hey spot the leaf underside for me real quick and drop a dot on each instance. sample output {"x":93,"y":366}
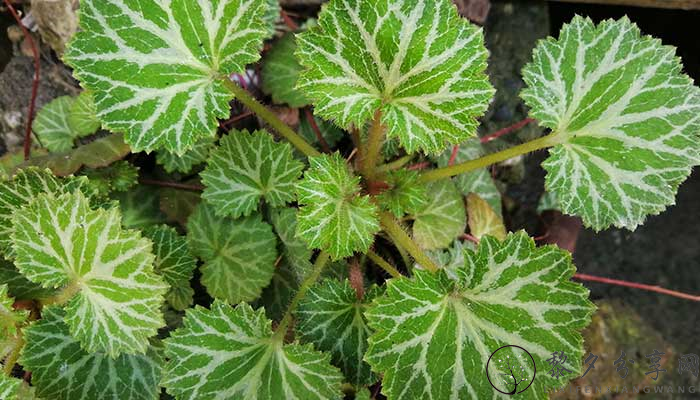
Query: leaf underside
{"x":417,"y":61}
{"x":626,"y":120}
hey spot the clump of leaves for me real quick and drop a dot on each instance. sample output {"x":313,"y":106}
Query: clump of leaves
{"x":293,"y":273}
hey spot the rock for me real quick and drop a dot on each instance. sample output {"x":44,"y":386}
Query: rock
{"x":57,"y":21}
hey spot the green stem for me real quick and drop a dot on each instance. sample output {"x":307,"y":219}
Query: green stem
{"x":370,"y":157}
{"x":383,"y":264}
{"x":527,"y":147}
{"x":310,"y":279}
{"x":396,"y":164}
{"x":12,"y":358}
{"x":268,"y":116}
{"x":399,"y":236}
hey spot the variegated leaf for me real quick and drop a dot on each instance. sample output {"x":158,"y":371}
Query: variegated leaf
{"x":106,"y":272}
{"x":626,"y":121}
{"x":15,"y":389}
{"x":82,"y":117}
{"x":173,"y":162}
{"x":280,"y":71}
{"x":334,"y":215}
{"x":20,"y":287}
{"x":247,"y":167}
{"x":10,"y":318}
{"x":332,"y":318}
{"x":174,"y":263}
{"x":239,"y":255}
{"x":62,"y":370}
{"x":435,"y":334}
{"x":295,"y":251}
{"x":231,"y":353}
{"x":155,"y":67}
{"x":417,"y":61}
{"x":51,"y":125}
{"x":406,"y":194}
{"x":442,"y":219}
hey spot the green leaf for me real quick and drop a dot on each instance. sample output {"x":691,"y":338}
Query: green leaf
{"x":231,"y":353}
{"x":118,"y":177}
{"x":417,"y":61}
{"x":443,"y":219}
{"x":478,"y":181}
{"x":10,"y":318}
{"x":295,"y":251}
{"x":280,"y":71}
{"x":51,"y":125}
{"x":332,"y":318}
{"x":174,"y":263}
{"x":435,"y":334}
{"x":20,"y":287}
{"x":140,"y":207}
{"x":15,"y":389}
{"x":548,"y":201}
{"x":100,"y":153}
{"x":624,"y":117}
{"x":60,"y":242}
{"x":62,"y":370}
{"x":334,"y":216}
{"x":82,"y":117}
{"x":173,"y":162}
{"x":21,"y":190}
{"x":239,"y":255}
{"x":277,"y":296}
{"x":272,"y":15}
{"x":330,"y":133}
{"x":178,"y":205}
{"x":247,"y":167}
{"x":406,"y":195}
{"x":160,"y":80}
{"x":483,"y":220}
{"x":452,"y":258}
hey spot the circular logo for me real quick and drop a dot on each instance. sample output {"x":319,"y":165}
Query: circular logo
{"x":511,"y":370}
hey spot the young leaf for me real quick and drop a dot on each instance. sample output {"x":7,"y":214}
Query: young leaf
{"x":82,"y":117}
{"x":417,"y":61}
{"x":174,"y":263}
{"x":443,"y":219}
{"x":60,"y":242}
{"x":247,"y":167}
{"x":173,"y":162}
{"x":239,"y":255}
{"x":118,"y":177}
{"x":159,"y":81}
{"x":452,"y":258}
{"x":624,"y":117}
{"x":21,"y":190}
{"x":406,"y":194}
{"x":51,"y":125}
{"x":478,"y":181}
{"x":332,"y":318}
{"x":435,"y":334}
{"x":231,"y":353}
{"x":483,"y":220}
{"x":63,"y":370}
{"x":280,"y":71}
{"x":334,"y":216}
{"x":9,"y":317}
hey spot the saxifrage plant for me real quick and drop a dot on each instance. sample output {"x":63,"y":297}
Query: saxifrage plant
{"x":287,"y":233}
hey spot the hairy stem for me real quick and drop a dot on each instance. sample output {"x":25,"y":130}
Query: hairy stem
{"x":268,"y":116}
{"x":383,"y":264}
{"x":398,"y":235}
{"x":12,"y":358}
{"x":450,"y":171}
{"x":396,"y":164}
{"x":370,"y":157}
{"x":309,"y":280}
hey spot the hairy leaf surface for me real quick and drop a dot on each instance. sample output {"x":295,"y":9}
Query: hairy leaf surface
{"x":435,"y":334}
{"x":406,"y":195}
{"x":174,"y":263}
{"x":231,"y":353}
{"x":155,"y":67}
{"x":82,"y":118}
{"x":626,"y":121}
{"x":51,"y":125}
{"x":332,"y":318}
{"x":247,"y":167}
{"x":334,"y":216}
{"x":173,"y":162}
{"x":63,"y":370}
{"x":60,"y":242}
{"x":417,"y":61}
{"x":239,"y":255}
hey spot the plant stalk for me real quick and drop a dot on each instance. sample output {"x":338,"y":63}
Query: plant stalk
{"x":268,"y":116}
{"x":398,"y":235}
{"x":310,"y":279}
{"x":390,"y":269}
{"x":527,"y":147}
{"x":12,"y":358}
{"x":370,"y":157}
